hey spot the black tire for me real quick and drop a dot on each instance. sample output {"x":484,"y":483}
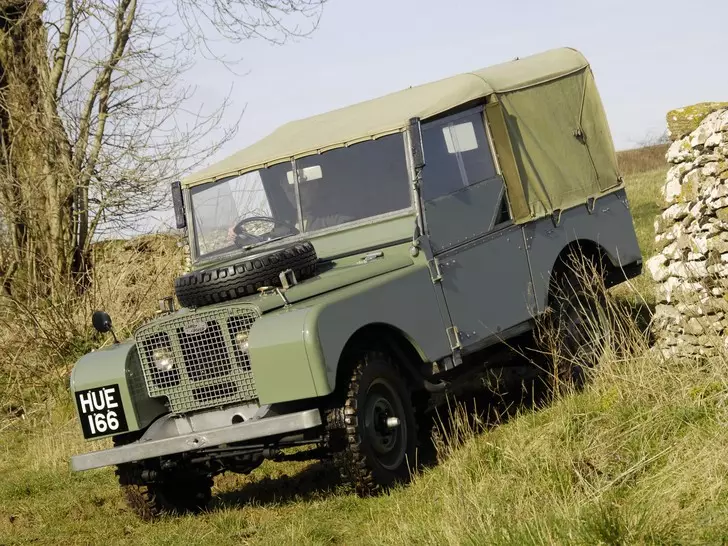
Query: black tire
{"x":374,"y":456}
{"x":180,"y":492}
{"x":244,"y":278}
{"x":581,"y":330}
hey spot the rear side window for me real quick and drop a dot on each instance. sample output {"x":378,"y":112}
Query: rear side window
{"x":457,"y":154}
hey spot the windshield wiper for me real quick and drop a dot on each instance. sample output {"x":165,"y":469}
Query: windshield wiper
{"x":261,"y":243}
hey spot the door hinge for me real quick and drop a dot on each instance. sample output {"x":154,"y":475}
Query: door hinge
{"x":453,"y":336}
{"x":435,"y":273}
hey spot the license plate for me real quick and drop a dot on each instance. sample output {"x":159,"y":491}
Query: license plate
{"x":101,"y":411}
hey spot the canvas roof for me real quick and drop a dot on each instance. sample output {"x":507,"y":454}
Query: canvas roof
{"x":391,"y":113}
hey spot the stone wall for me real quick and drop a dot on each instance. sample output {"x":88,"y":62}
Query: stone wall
{"x":683,"y":121}
{"x":691,"y":267}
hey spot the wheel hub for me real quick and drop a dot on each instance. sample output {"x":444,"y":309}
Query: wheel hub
{"x":384,"y":425}
{"x":382,"y":436}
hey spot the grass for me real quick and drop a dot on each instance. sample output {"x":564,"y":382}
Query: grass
{"x":643,"y":192}
{"x":639,"y":160}
{"x":639,"y":457}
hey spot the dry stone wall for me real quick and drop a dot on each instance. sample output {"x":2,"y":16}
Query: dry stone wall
{"x":691,"y":266}
{"x":683,"y":121}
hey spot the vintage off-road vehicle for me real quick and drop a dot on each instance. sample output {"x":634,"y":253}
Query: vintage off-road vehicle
{"x":346,"y":267}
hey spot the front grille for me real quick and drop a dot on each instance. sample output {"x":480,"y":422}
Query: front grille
{"x":205,"y":354}
{"x":213,"y":392}
{"x":208,"y":367}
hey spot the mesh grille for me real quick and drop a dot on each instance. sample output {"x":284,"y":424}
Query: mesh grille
{"x":205,"y":354}
{"x":203,"y":358}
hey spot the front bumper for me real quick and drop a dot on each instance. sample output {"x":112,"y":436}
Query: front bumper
{"x":250,"y":430}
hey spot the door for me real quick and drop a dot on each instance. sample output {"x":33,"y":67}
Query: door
{"x":479,"y":252}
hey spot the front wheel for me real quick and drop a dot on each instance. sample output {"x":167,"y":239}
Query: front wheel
{"x":380,"y":431}
{"x":177,"y":492}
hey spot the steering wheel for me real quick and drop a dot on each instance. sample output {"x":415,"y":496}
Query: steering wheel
{"x":244,"y":238}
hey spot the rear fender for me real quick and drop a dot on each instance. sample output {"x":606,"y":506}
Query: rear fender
{"x":606,"y":227}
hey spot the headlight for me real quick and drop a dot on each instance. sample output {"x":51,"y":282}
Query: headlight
{"x":163,"y":359}
{"x":241,"y":340}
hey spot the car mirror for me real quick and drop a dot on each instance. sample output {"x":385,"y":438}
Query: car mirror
{"x":101,"y":321}
{"x":179,"y":205}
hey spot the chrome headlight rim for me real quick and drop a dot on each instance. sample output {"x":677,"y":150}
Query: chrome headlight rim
{"x":241,"y":341}
{"x":163,"y":359}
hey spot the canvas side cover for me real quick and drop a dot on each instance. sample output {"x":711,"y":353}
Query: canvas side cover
{"x":561,"y":145}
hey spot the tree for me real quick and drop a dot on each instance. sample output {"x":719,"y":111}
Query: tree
{"x":95,"y":120}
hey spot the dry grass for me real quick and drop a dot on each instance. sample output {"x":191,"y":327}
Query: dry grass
{"x":640,"y":160}
{"x":41,"y":341}
{"x":638,"y":457}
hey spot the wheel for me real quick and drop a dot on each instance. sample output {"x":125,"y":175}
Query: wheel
{"x":243,"y":278}
{"x":380,"y":431}
{"x":581,"y":330}
{"x":177,"y":492}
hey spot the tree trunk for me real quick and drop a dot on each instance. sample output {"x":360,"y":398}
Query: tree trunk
{"x":37,"y":176}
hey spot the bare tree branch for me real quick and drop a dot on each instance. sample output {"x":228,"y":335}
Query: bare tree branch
{"x":95,"y":118}
{"x":61,"y":52}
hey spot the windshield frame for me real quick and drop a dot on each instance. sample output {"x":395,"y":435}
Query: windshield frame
{"x":218,"y":256}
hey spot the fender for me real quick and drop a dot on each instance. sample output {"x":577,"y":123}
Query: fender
{"x":608,"y":226}
{"x":118,"y":365}
{"x":295,"y":351}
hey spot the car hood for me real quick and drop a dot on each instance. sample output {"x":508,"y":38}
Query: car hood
{"x":331,"y":275}
{"x":335,"y":274}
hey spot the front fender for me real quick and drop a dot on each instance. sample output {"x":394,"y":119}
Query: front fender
{"x":118,"y":365}
{"x":295,"y":351}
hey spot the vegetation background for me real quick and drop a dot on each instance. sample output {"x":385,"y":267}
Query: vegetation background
{"x":88,"y":94}
{"x":638,"y":457}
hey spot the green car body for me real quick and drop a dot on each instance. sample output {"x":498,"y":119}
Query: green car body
{"x":471,"y":194}
{"x":295,"y":348}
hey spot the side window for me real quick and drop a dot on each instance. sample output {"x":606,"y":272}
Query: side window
{"x":456,"y":152}
{"x":501,"y":211}
{"x":348,"y":184}
{"x":504,"y":212}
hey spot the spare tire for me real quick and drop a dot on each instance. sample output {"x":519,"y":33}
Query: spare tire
{"x":244,"y":278}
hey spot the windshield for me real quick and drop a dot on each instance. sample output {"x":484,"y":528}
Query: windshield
{"x":243,"y":210}
{"x":337,"y":187}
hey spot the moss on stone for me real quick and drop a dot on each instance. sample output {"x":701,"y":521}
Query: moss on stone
{"x":722,"y":214}
{"x":688,"y":190}
{"x":683,"y":121}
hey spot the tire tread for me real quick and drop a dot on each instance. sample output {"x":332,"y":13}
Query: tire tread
{"x":343,"y":423}
{"x":207,"y":287}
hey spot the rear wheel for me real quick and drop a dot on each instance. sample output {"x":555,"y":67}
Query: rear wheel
{"x":580,"y":328}
{"x":379,"y":428}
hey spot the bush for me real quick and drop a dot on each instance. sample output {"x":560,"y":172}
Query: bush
{"x":41,"y":341}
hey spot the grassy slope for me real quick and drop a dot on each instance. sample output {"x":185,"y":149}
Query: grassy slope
{"x":639,"y":457}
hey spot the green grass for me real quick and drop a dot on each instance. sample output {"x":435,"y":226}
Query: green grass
{"x":639,"y":457}
{"x":643,"y":192}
